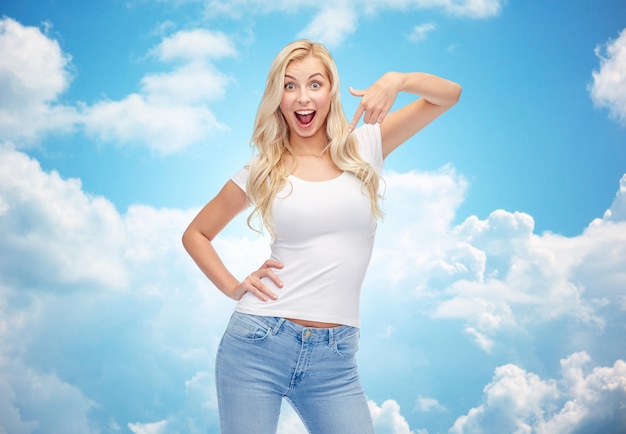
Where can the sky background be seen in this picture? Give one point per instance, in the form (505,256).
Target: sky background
(496,297)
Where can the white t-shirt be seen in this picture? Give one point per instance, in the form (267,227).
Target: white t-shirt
(323,235)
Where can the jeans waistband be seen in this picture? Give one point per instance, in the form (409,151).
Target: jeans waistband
(310,334)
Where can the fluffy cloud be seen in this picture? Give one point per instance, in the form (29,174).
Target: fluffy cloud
(161,127)
(388,418)
(331,25)
(148,428)
(495,274)
(169,112)
(475,9)
(428,404)
(470,8)
(515,295)
(517,401)
(608,89)
(107,302)
(420,31)
(50,222)
(34,72)
(194,45)
(34,401)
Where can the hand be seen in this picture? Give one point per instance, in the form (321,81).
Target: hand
(376,101)
(254,284)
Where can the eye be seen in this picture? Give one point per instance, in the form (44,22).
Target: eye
(290,86)
(316,85)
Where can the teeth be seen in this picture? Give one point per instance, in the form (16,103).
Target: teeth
(305,112)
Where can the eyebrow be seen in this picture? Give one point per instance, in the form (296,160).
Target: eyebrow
(310,76)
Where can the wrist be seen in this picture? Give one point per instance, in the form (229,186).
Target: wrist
(397,79)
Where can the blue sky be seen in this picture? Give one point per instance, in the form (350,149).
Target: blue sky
(496,297)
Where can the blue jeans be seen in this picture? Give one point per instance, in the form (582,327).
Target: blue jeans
(262,360)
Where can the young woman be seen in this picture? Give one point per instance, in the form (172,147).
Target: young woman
(313,185)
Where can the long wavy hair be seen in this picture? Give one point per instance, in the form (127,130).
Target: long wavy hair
(267,171)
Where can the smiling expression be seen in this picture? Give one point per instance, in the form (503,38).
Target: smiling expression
(305,102)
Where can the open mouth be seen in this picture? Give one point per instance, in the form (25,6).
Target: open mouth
(305,117)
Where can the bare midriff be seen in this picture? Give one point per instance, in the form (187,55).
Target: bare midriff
(314,324)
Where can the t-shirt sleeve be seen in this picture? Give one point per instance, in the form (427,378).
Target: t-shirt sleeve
(241,178)
(370,144)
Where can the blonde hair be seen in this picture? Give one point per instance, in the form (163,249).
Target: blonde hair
(268,172)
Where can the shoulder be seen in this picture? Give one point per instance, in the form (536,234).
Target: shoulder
(241,176)
(369,141)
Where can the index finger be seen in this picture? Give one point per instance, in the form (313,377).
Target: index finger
(355,119)
(270,263)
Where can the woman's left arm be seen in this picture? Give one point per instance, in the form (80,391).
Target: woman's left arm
(437,96)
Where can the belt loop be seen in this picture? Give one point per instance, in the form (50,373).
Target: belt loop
(331,337)
(278,325)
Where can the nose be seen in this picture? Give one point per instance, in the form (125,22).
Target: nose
(303,96)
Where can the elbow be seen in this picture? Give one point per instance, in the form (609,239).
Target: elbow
(185,239)
(192,238)
(188,239)
(448,96)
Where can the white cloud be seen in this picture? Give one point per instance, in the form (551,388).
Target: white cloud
(34,72)
(426,404)
(409,238)
(473,9)
(331,25)
(481,339)
(53,230)
(608,89)
(388,418)
(468,8)
(149,428)
(521,280)
(191,84)
(517,401)
(195,45)
(32,401)
(103,300)
(420,32)
(289,421)
(617,211)
(163,128)
(169,113)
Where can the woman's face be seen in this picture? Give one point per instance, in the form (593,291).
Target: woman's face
(306,98)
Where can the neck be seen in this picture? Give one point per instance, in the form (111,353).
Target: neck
(310,153)
(309,147)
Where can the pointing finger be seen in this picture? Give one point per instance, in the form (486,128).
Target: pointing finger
(355,119)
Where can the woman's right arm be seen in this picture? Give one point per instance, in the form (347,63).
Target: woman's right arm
(198,237)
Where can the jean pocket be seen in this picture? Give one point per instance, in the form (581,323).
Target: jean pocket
(247,328)
(347,346)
